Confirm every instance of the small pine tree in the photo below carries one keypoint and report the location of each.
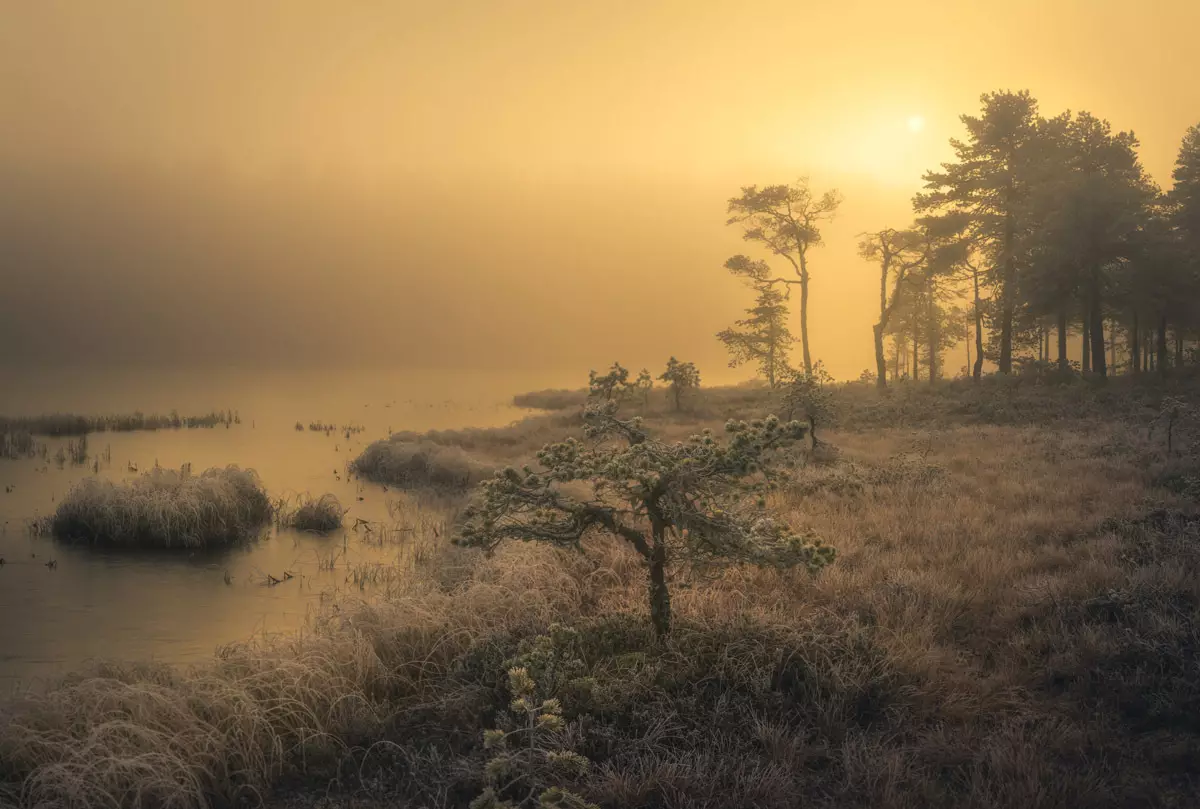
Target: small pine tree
(529, 752)
(681, 376)
(699, 501)
(811, 395)
(762, 338)
(611, 386)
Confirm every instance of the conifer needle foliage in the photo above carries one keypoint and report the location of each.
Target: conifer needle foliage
(700, 501)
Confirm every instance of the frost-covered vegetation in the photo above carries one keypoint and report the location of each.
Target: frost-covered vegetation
(420, 464)
(1010, 622)
(164, 508)
(317, 514)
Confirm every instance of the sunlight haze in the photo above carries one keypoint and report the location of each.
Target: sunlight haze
(414, 184)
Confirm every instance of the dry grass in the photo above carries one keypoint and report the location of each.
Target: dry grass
(317, 514)
(19, 443)
(420, 464)
(164, 508)
(1012, 622)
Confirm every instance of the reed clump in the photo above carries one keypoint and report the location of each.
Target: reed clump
(64, 424)
(316, 514)
(19, 443)
(164, 508)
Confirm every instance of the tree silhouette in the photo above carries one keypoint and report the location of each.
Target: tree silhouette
(680, 376)
(990, 181)
(762, 338)
(898, 252)
(787, 220)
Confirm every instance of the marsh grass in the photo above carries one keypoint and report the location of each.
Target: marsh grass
(19, 443)
(164, 508)
(316, 514)
(421, 463)
(64, 424)
(1011, 623)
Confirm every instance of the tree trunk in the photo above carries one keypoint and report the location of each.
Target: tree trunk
(771, 358)
(804, 313)
(1179, 348)
(1099, 366)
(1062, 337)
(1006, 291)
(1086, 358)
(916, 356)
(677, 390)
(977, 371)
(968, 342)
(660, 598)
(880, 358)
(1161, 360)
(935, 337)
(1135, 345)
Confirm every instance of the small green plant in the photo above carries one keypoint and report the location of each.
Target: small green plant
(682, 377)
(700, 501)
(531, 757)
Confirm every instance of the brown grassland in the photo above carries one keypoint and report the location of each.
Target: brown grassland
(1011, 621)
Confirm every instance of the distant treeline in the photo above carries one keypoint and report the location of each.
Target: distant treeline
(60, 424)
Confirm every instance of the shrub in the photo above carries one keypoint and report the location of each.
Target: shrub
(164, 508)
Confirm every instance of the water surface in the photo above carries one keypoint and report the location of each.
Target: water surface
(178, 607)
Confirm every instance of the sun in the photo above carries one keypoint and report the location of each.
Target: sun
(916, 123)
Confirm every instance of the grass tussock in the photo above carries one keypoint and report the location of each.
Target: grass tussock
(63, 424)
(420, 464)
(164, 508)
(316, 514)
(1011, 623)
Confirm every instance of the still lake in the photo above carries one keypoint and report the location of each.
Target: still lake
(179, 607)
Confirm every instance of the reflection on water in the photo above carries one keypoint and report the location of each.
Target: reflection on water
(178, 607)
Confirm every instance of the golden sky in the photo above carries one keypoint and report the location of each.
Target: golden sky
(525, 169)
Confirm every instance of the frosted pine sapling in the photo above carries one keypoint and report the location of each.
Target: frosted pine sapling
(529, 751)
(699, 501)
(681, 376)
(810, 394)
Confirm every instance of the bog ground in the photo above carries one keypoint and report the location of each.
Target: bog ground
(1011, 621)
